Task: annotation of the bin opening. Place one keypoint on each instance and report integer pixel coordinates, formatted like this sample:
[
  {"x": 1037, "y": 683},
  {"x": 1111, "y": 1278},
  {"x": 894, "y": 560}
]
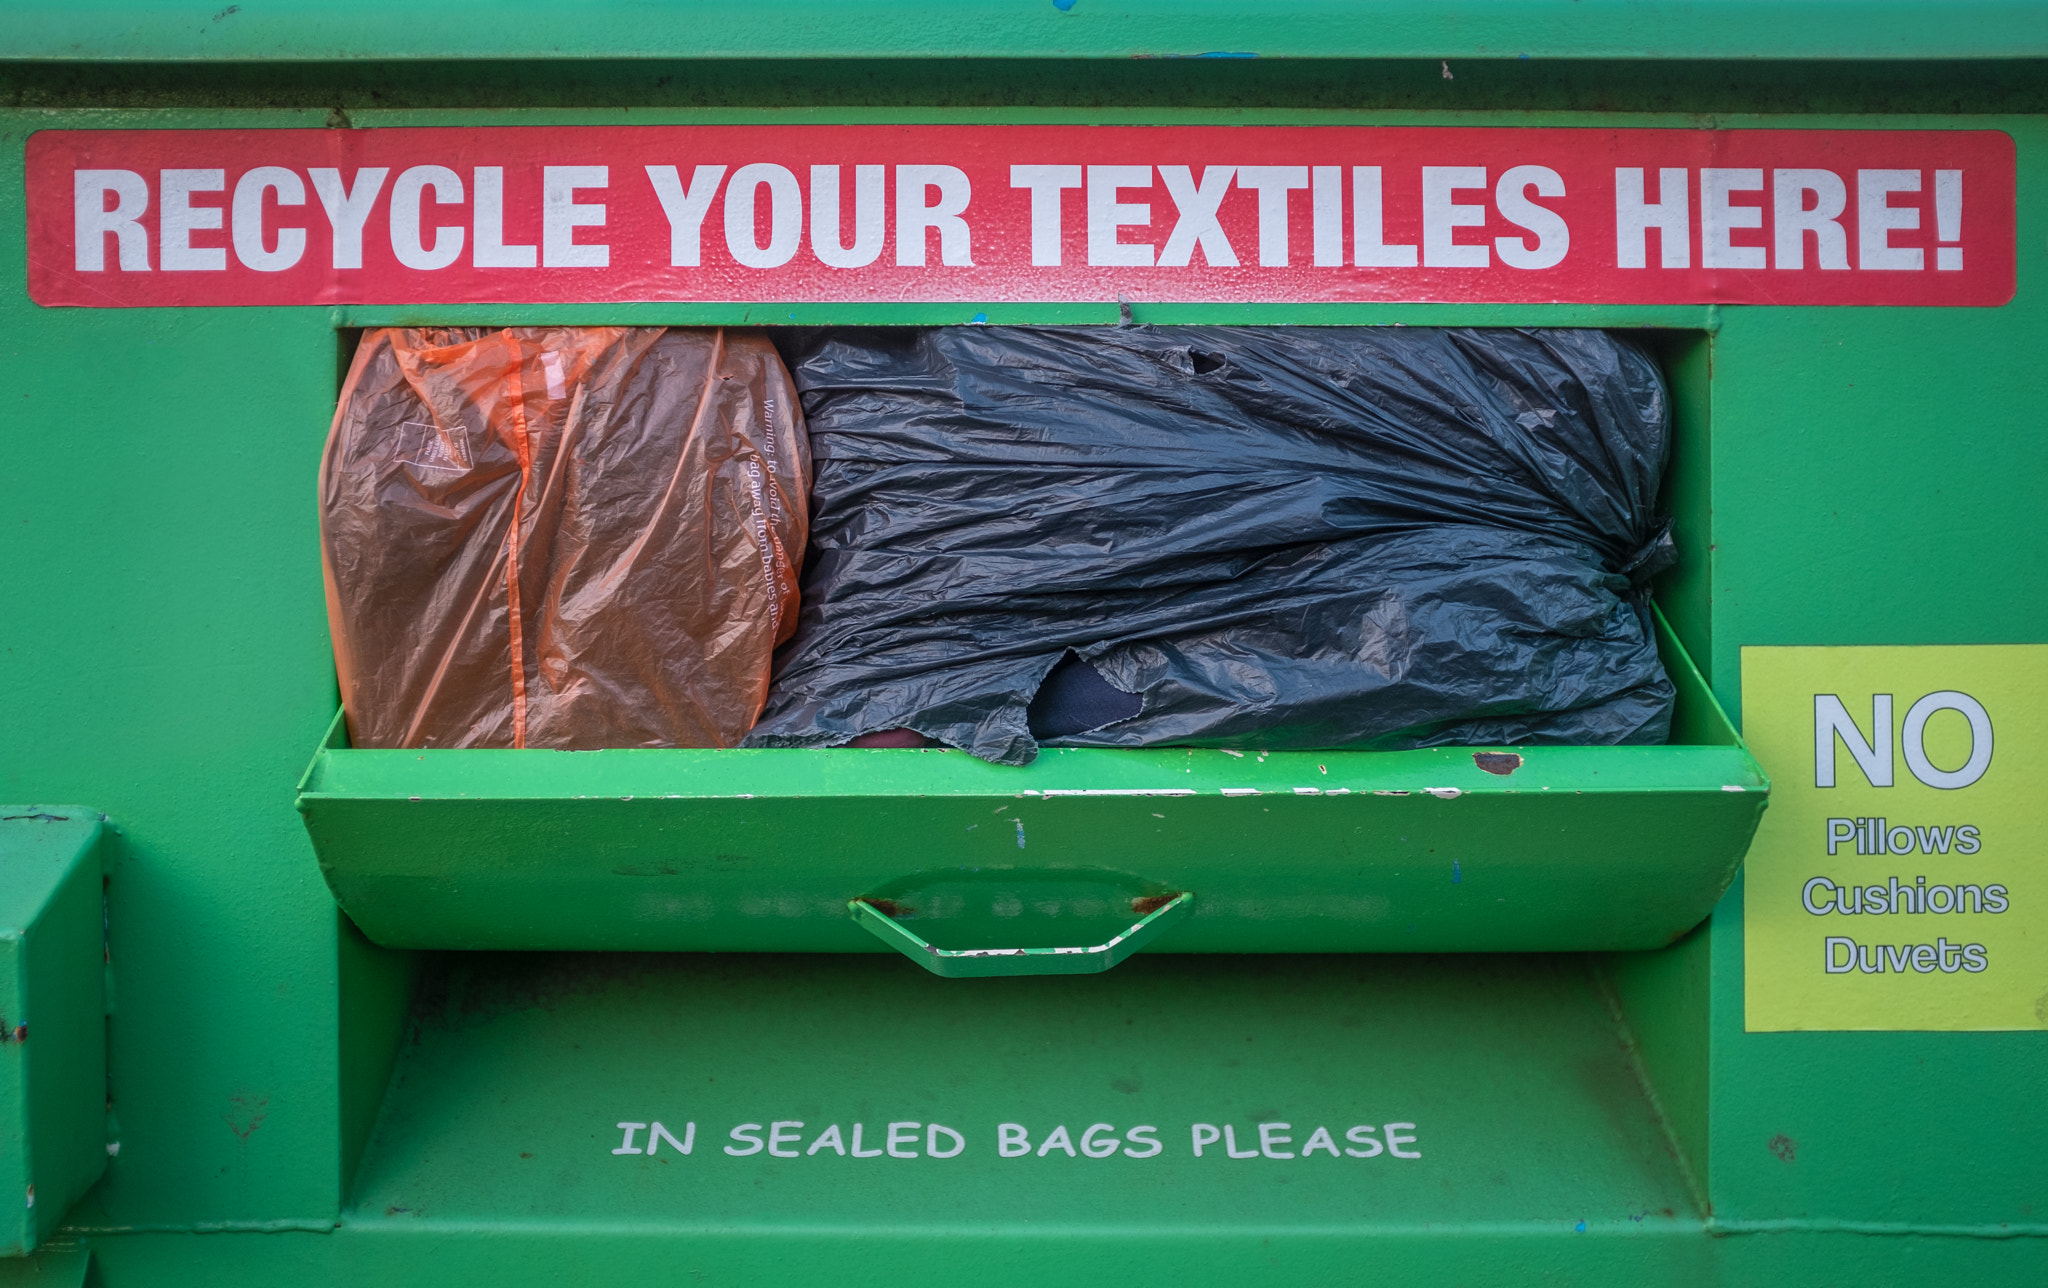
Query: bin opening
[{"x": 1250, "y": 537}]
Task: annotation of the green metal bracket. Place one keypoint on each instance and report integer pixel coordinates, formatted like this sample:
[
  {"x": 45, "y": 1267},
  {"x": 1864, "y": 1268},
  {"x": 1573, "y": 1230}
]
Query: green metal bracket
[
  {"x": 981, "y": 963},
  {"x": 53, "y": 1019}
]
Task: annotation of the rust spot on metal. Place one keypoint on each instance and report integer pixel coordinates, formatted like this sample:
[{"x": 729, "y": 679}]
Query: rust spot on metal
[
  {"x": 20, "y": 1033},
  {"x": 1146, "y": 905},
  {"x": 1784, "y": 1147},
  {"x": 1678, "y": 934},
  {"x": 246, "y": 1112},
  {"x": 889, "y": 907},
  {"x": 1502, "y": 763}
]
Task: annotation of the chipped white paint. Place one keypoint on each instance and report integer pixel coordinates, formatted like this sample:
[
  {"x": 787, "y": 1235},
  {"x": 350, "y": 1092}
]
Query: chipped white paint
[
  {"x": 1106, "y": 946},
  {"x": 1119, "y": 791},
  {"x": 1444, "y": 793},
  {"x": 1308, "y": 791},
  {"x": 1240, "y": 791}
]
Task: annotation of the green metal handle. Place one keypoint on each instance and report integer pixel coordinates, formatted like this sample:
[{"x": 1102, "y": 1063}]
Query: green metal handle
[{"x": 977, "y": 963}]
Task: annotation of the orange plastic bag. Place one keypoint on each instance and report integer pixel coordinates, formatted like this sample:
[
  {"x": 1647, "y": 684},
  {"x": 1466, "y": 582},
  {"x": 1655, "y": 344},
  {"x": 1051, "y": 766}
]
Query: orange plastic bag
[{"x": 573, "y": 537}]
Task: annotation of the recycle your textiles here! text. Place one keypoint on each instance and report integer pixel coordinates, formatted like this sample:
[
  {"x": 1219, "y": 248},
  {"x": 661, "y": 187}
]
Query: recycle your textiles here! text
[{"x": 1004, "y": 213}]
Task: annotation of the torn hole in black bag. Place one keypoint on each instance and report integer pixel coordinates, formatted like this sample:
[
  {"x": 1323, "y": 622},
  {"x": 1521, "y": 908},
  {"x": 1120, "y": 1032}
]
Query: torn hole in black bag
[
  {"x": 1074, "y": 698},
  {"x": 1193, "y": 362}
]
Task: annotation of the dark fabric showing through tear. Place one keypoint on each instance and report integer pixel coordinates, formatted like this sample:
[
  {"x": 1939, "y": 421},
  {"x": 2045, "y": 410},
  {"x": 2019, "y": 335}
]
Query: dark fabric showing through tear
[
  {"x": 1281, "y": 537},
  {"x": 1074, "y": 698}
]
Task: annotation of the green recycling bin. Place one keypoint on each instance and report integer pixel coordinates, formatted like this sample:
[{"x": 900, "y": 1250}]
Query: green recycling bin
[{"x": 1761, "y": 1003}]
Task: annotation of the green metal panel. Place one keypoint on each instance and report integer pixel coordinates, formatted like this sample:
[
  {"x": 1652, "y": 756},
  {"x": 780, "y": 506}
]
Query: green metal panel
[
  {"x": 1872, "y": 476},
  {"x": 53, "y": 1035},
  {"x": 163, "y": 654},
  {"x": 107, "y": 30},
  {"x": 1663, "y": 1001},
  {"x": 1528, "y": 1119},
  {"x": 373, "y": 989},
  {"x": 1542, "y": 1160},
  {"x": 1899, "y": 453}
]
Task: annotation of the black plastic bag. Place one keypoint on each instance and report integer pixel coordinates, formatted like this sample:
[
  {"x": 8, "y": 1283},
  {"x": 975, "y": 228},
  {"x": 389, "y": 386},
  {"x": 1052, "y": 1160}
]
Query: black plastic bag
[{"x": 1273, "y": 537}]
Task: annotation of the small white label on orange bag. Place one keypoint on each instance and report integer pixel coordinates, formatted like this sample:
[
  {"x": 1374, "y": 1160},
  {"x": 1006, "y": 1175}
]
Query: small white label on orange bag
[{"x": 422, "y": 446}]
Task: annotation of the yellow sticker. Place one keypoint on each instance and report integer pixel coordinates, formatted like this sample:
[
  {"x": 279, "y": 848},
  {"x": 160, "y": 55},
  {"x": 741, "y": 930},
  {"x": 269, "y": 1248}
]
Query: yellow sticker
[{"x": 1900, "y": 877}]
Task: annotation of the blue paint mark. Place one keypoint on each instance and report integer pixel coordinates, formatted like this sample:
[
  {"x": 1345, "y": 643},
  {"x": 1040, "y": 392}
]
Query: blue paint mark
[
  {"x": 1580, "y": 1227},
  {"x": 981, "y": 319},
  {"x": 1020, "y": 833},
  {"x": 1456, "y": 876},
  {"x": 1062, "y": 5},
  {"x": 1524, "y": 57}
]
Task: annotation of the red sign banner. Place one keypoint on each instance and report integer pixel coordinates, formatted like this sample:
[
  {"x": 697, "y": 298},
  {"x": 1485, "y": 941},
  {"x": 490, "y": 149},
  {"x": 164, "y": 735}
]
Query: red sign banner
[{"x": 1005, "y": 213}]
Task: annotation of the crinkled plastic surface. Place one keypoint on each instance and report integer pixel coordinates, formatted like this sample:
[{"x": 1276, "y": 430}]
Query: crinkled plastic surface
[
  {"x": 571, "y": 537},
  {"x": 1282, "y": 537}
]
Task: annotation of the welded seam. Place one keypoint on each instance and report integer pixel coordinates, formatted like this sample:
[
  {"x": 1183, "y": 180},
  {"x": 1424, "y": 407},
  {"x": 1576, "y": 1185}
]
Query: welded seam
[
  {"x": 282, "y": 1226},
  {"x": 1793, "y": 1225},
  {"x": 1650, "y": 1229},
  {"x": 1889, "y": 1229}
]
